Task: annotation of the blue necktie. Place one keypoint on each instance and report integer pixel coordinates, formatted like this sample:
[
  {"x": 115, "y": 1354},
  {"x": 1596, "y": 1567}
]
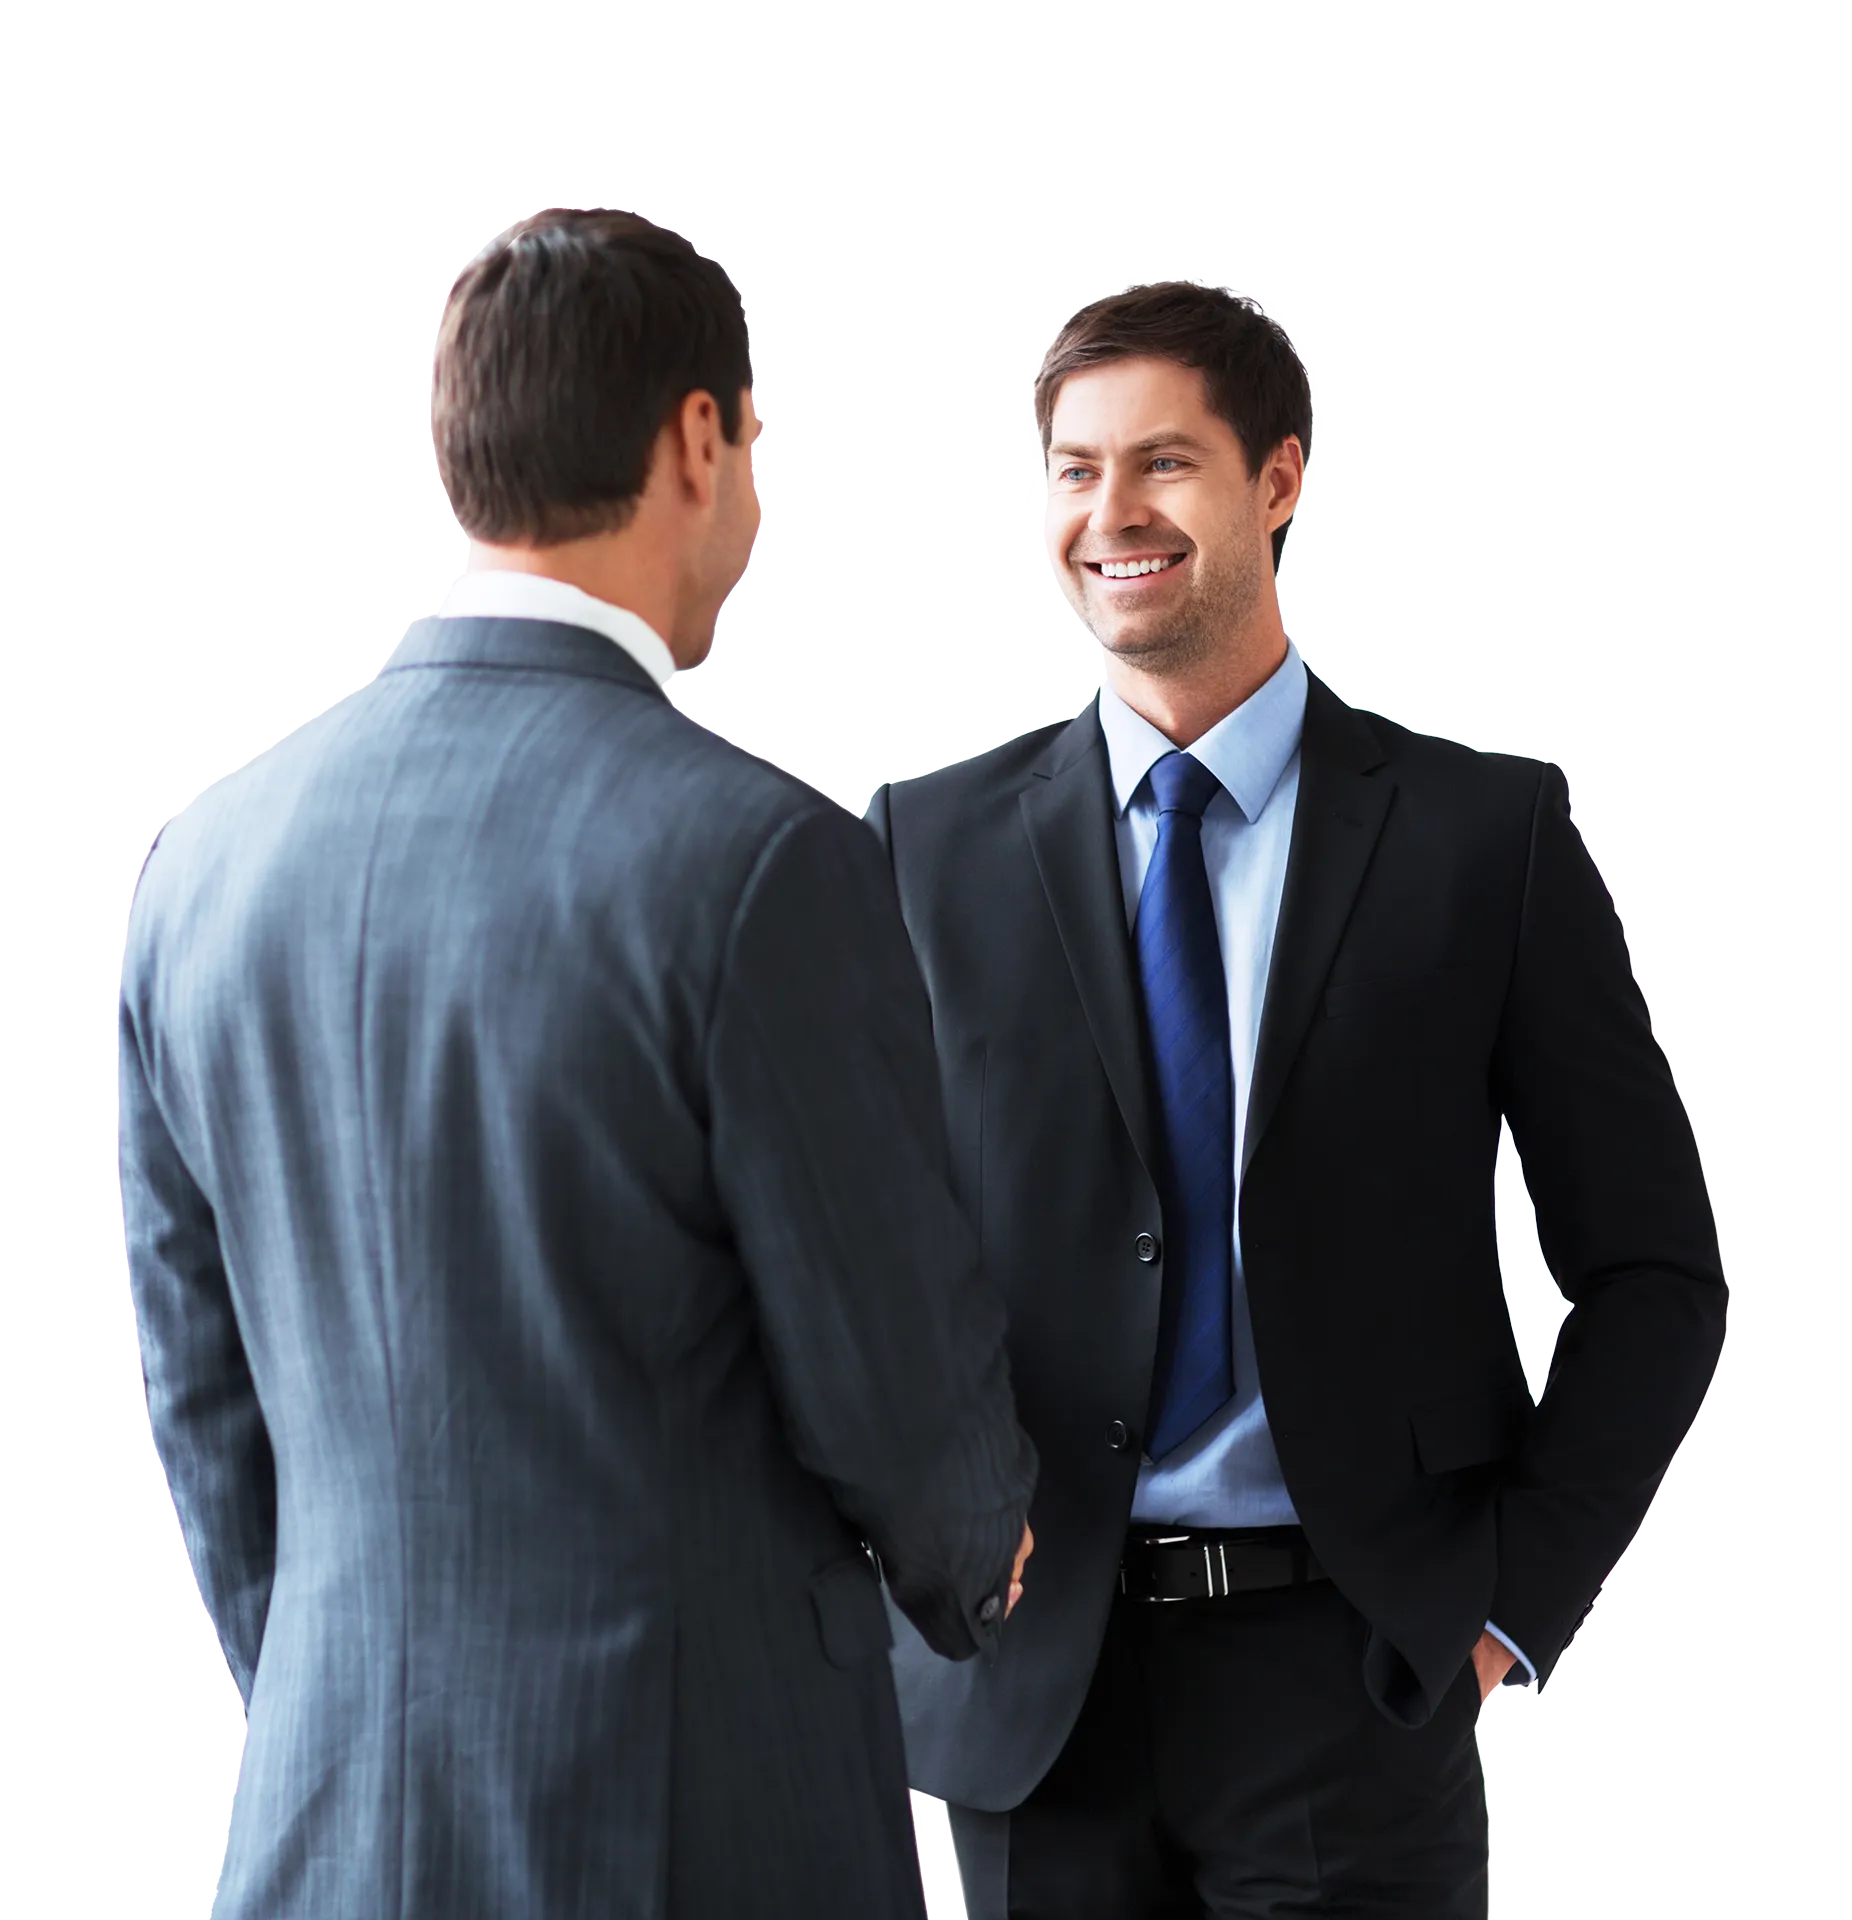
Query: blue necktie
[{"x": 1186, "y": 1009}]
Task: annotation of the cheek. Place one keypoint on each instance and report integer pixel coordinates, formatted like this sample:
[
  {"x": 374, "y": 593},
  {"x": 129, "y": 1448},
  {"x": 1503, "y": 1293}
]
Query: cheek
[
  {"x": 749, "y": 513},
  {"x": 1067, "y": 578},
  {"x": 1060, "y": 528}
]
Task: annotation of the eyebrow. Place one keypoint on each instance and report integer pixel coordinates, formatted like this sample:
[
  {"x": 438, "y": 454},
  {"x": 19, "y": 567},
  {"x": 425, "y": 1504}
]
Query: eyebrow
[{"x": 1149, "y": 444}]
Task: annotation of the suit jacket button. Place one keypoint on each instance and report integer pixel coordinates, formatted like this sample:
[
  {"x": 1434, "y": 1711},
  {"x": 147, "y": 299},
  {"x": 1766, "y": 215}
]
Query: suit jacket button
[
  {"x": 1146, "y": 1247},
  {"x": 1118, "y": 1436},
  {"x": 988, "y": 1612}
]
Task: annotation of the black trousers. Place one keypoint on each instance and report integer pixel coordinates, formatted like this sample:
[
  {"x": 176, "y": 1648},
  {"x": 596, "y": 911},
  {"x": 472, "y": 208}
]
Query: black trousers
[{"x": 1227, "y": 1762}]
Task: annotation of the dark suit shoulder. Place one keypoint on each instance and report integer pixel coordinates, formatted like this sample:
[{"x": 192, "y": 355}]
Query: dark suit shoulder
[
  {"x": 1000, "y": 771},
  {"x": 544, "y": 799},
  {"x": 745, "y": 797},
  {"x": 1448, "y": 769},
  {"x": 578, "y": 739}
]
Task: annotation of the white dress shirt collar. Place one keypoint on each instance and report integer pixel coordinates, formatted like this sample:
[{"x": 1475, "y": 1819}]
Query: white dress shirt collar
[
  {"x": 1246, "y": 750},
  {"x": 496, "y": 595}
]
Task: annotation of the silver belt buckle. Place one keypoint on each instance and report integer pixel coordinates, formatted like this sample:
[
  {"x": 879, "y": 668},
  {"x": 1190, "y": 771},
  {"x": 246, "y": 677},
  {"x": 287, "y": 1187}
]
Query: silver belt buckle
[
  {"x": 1148, "y": 1599},
  {"x": 1210, "y": 1562}
]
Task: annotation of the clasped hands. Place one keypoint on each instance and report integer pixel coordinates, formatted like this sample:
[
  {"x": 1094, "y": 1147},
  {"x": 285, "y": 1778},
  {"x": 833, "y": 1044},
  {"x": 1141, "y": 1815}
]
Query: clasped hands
[{"x": 1022, "y": 1559}]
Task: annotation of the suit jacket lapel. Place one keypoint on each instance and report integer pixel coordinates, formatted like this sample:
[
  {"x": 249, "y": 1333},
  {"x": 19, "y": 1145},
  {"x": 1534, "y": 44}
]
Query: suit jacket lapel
[
  {"x": 1344, "y": 798},
  {"x": 1067, "y": 812}
]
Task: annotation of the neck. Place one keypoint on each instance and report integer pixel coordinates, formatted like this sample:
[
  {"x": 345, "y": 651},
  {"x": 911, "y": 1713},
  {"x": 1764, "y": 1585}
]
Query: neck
[
  {"x": 613, "y": 567},
  {"x": 1183, "y": 702}
]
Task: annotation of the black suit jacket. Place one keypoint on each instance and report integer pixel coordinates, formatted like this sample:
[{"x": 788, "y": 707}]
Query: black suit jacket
[
  {"x": 1446, "y": 957},
  {"x": 547, "y": 1274}
]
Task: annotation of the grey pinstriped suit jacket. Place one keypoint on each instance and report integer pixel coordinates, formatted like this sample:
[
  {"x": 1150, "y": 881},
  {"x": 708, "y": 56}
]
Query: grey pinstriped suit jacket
[{"x": 546, "y": 1273}]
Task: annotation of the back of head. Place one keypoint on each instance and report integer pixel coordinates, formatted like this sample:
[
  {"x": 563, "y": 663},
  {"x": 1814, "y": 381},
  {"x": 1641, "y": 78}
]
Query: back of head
[
  {"x": 1253, "y": 376},
  {"x": 565, "y": 345}
]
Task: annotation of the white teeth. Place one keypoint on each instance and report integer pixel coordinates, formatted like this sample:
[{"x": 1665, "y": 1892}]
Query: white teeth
[{"x": 1131, "y": 569}]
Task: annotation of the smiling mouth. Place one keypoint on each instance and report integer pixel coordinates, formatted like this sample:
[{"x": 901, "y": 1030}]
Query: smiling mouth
[{"x": 1135, "y": 569}]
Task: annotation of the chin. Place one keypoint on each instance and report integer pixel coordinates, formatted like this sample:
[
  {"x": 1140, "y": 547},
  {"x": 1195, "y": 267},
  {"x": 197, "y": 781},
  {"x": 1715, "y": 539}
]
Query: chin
[
  {"x": 1125, "y": 634},
  {"x": 691, "y": 650},
  {"x": 1135, "y": 640}
]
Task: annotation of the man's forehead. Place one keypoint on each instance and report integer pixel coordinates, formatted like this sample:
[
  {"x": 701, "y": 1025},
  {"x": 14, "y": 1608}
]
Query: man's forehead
[{"x": 1134, "y": 404}]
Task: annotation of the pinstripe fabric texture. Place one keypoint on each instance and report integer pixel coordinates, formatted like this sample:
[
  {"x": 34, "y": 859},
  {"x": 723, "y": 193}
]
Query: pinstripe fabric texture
[
  {"x": 547, "y": 1274},
  {"x": 1186, "y": 1015}
]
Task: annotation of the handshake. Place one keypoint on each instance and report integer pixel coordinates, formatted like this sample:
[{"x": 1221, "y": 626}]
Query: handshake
[{"x": 1022, "y": 1560}]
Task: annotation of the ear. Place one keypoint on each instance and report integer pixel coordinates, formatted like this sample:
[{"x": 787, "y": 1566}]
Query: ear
[
  {"x": 1282, "y": 479},
  {"x": 694, "y": 436}
]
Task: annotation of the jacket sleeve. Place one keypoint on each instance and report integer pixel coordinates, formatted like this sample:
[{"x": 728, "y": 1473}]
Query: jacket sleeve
[
  {"x": 886, "y": 1343},
  {"x": 208, "y": 1428},
  {"x": 1625, "y": 1226}
]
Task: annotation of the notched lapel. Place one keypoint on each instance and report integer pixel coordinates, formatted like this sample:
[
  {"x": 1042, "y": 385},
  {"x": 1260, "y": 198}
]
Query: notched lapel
[
  {"x": 1345, "y": 791},
  {"x": 1067, "y": 813}
]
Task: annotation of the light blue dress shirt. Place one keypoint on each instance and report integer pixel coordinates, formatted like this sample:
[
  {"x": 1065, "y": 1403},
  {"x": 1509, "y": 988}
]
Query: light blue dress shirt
[{"x": 1227, "y": 1474}]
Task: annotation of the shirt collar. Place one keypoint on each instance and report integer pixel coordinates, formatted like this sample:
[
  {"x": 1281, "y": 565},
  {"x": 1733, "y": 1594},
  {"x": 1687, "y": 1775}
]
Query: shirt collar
[
  {"x": 498, "y": 595},
  {"x": 1246, "y": 750}
]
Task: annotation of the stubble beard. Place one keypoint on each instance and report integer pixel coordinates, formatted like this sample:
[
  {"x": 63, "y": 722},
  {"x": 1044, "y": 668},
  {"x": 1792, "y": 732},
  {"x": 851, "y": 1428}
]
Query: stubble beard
[{"x": 1223, "y": 599}]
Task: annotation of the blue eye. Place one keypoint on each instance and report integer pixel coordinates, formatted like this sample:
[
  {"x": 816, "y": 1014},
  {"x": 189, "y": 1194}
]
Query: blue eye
[
  {"x": 1164, "y": 461},
  {"x": 1072, "y": 473}
]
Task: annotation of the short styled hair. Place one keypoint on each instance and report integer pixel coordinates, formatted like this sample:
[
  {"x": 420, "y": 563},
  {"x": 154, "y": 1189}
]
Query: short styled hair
[
  {"x": 1254, "y": 378},
  {"x": 566, "y": 345}
]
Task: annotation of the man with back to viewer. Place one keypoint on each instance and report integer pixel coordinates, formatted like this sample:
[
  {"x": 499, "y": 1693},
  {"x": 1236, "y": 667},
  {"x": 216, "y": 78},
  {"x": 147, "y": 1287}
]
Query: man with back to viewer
[
  {"x": 542, "y": 1247},
  {"x": 1232, "y": 987}
]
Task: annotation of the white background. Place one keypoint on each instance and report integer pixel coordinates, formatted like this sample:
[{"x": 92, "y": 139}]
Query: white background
[{"x": 1568, "y": 284}]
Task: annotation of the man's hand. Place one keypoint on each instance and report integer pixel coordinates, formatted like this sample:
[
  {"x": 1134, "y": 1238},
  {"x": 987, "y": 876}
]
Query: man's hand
[
  {"x": 1492, "y": 1660},
  {"x": 1022, "y": 1555}
]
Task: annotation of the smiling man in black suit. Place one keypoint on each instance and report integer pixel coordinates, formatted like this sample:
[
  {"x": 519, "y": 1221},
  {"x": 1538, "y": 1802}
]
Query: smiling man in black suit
[{"x": 1232, "y": 988}]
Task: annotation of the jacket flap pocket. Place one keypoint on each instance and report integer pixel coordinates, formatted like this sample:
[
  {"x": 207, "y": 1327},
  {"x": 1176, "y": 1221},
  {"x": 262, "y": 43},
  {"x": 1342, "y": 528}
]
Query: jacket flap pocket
[
  {"x": 1470, "y": 1431},
  {"x": 850, "y": 1616}
]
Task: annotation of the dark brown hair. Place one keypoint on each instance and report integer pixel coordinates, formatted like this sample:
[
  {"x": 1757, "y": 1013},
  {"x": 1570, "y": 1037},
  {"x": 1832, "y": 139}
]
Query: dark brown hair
[
  {"x": 1253, "y": 376},
  {"x": 565, "y": 346}
]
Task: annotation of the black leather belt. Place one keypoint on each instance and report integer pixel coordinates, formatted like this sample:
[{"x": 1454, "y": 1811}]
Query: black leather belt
[{"x": 1209, "y": 1563}]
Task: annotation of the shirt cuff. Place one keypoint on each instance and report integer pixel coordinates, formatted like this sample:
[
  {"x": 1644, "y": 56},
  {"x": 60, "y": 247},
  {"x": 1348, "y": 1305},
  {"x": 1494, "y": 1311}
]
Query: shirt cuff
[
  {"x": 1523, "y": 1659},
  {"x": 1519, "y": 1654}
]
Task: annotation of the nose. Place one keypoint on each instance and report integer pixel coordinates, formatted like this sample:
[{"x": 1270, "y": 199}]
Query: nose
[{"x": 1116, "y": 506}]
